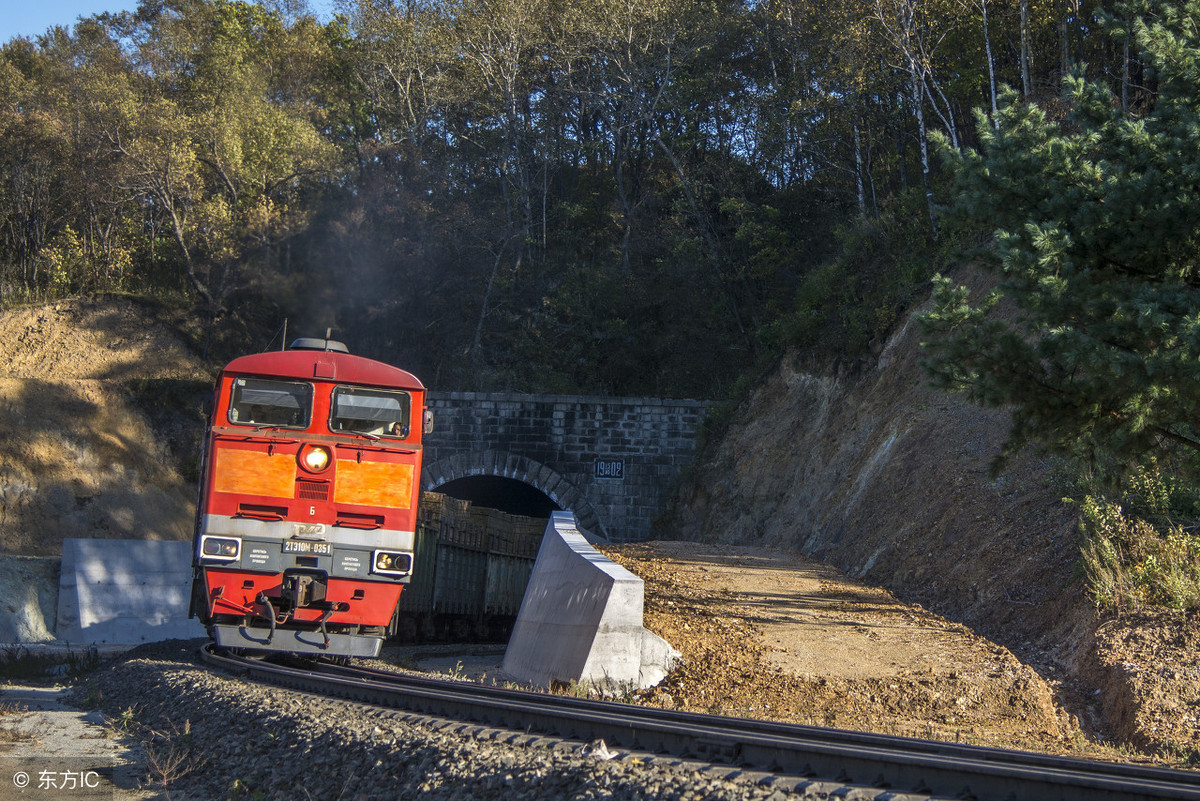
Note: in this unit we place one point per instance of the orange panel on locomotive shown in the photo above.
(310, 477)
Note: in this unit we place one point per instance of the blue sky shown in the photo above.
(33, 17)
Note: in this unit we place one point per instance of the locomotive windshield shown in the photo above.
(377, 412)
(263, 402)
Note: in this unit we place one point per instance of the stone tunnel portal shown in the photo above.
(609, 461)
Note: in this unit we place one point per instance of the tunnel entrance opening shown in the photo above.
(505, 494)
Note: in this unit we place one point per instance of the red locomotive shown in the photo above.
(307, 516)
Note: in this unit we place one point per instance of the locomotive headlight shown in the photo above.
(315, 458)
(392, 563)
(225, 549)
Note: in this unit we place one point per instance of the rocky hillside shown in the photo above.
(80, 384)
(873, 471)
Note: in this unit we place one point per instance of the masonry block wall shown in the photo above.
(612, 461)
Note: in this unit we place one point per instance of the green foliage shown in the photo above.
(850, 303)
(1092, 337)
(1135, 557)
(176, 142)
(620, 196)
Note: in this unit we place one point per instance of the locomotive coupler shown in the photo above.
(302, 589)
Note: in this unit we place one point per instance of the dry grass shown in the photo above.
(7, 734)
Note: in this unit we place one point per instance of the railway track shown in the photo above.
(899, 764)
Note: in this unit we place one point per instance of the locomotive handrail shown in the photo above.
(362, 525)
(260, 515)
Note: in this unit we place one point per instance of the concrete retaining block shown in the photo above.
(581, 619)
(125, 592)
(28, 598)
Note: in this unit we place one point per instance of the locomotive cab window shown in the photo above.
(375, 412)
(274, 404)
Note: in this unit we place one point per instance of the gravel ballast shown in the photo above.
(209, 735)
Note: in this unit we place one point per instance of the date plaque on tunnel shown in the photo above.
(611, 469)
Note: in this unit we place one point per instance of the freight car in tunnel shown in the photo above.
(471, 564)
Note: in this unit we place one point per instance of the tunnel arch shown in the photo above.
(501, 464)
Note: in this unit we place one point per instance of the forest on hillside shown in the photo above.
(633, 197)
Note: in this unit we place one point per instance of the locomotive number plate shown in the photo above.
(303, 546)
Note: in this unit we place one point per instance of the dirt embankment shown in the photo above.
(78, 455)
(876, 473)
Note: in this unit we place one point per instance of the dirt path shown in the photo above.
(49, 748)
(817, 623)
(770, 634)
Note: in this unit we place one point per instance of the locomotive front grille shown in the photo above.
(312, 490)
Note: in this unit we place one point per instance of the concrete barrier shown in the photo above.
(581, 619)
(125, 592)
(28, 598)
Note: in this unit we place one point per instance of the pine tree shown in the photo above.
(1092, 337)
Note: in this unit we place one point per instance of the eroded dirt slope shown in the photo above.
(78, 457)
(888, 480)
(873, 471)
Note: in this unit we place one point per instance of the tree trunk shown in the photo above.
(189, 264)
(858, 173)
(1125, 68)
(1026, 51)
(477, 341)
(991, 63)
(918, 90)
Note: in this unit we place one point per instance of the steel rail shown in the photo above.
(901, 764)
